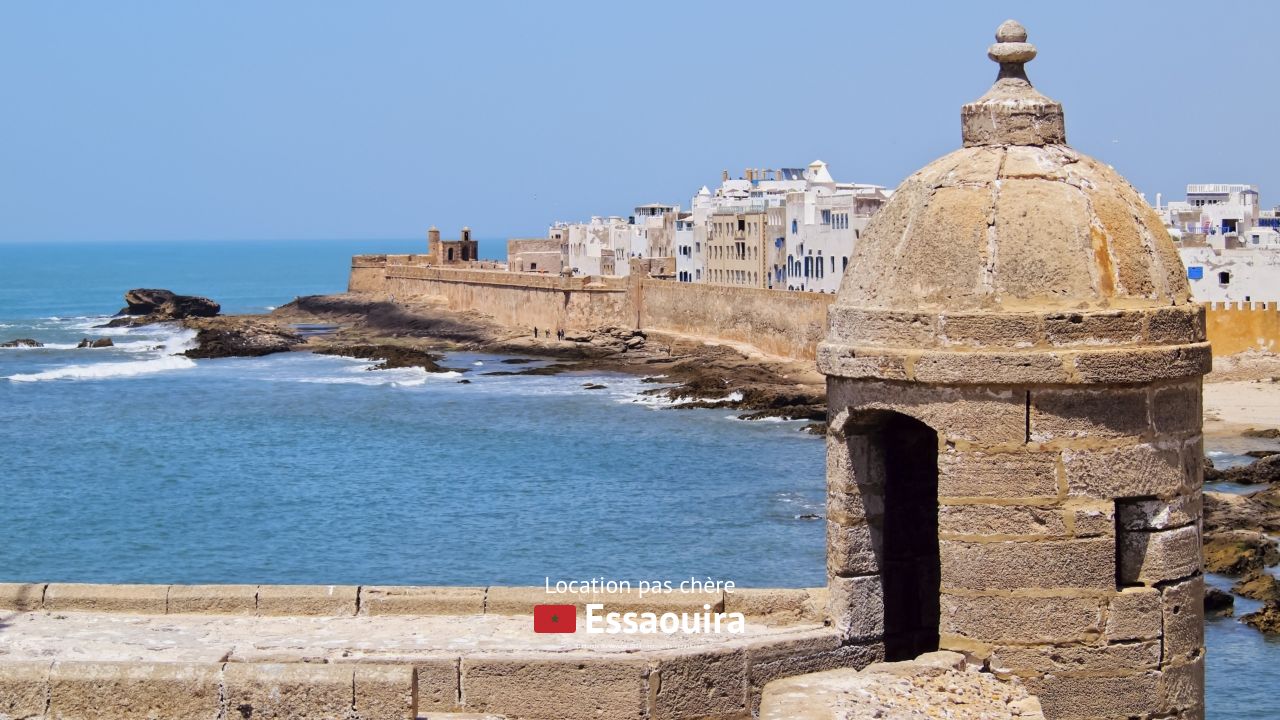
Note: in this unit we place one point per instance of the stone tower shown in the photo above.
(1014, 374)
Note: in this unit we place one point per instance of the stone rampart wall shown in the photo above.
(783, 323)
(777, 321)
(1235, 327)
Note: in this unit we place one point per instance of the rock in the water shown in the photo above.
(1239, 552)
(391, 356)
(1262, 433)
(594, 386)
(99, 343)
(1217, 602)
(145, 305)
(219, 337)
(1211, 473)
(1233, 511)
(1258, 586)
(1259, 454)
(1267, 619)
(22, 342)
(1258, 472)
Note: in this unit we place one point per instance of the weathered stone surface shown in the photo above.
(1046, 261)
(1006, 330)
(438, 683)
(307, 599)
(1134, 614)
(709, 684)
(1176, 324)
(1092, 518)
(981, 368)
(1084, 697)
(1010, 619)
(976, 414)
(1178, 408)
(1149, 557)
(213, 599)
(404, 600)
(1070, 414)
(1182, 606)
(889, 329)
(850, 549)
(771, 661)
(857, 607)
(961, 521)
(145, 599)
(385, 692)
(1159, 514)
(24, 688)
(1079, 563)
(1030, 661)
(779, 606)
(1144, 365)
(111, 691)
(21, 596)
(997, 475)
(1094, 328)
(313, 691)
(591, 689)
(1131, 471)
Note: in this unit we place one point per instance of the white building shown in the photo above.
(823, 224)
(1229, 245)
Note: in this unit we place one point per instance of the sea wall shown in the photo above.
(777, 321)
(548, 302)
(783, 323)
(1235, 327)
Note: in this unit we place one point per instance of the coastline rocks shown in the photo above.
(1258, 586)
(1269, 433)
(1217, 602)
(163, 305)
(391, 356)
(22, 343)
(220, 337)
(1232, 511)
(1267, 619)
(1239, 552)
(1258, 472)
(99, 343)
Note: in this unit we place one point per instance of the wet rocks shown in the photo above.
(1217, 602)
(1258, 472)
(99, 343)
(144, 306)
(234, 336)
(1267, 619)
(22, 343)
(391, 356)
(1258, 586)
(1233, 511)
(1239, 552)
(594, 386)
(1269, 433)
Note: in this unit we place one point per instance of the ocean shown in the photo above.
(131, 464)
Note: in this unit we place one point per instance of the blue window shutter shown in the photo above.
(1195, 272)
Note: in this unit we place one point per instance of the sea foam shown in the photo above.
(109, 370)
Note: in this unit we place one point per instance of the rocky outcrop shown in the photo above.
(1259, 511)
(21, 343)
(1258, 586)
(390, 356)
(166, 305)
(1267, 619)
(234, 336)
(1258, 472)
(99, 343)
(1217, 602)
(1239, 552)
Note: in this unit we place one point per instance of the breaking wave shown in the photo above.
(105, 371)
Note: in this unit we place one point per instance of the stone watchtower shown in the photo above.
(1014, 379)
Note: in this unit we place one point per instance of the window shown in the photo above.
(793, 229)
(1224, 278)
(1195, 272)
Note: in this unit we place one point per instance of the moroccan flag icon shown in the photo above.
(555, 619)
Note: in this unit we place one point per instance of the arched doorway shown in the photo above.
(893, 460)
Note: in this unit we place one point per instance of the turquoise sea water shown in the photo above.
(132, 465)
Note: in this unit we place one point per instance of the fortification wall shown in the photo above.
(776, 321)
(517, 299)
(1235, 327)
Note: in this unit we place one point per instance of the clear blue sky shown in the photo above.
(312, 119)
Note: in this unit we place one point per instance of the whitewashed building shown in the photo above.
(1229, 245)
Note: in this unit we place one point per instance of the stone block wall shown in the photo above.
(1236, 327)
(1068, 533)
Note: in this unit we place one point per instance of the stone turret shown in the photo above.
(1014, 374)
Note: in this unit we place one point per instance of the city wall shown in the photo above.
(1235, 327)
(788, 324)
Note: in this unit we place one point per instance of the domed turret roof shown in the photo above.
(1015, 260)
(1015, 220)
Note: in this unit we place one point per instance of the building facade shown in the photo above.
(1229, 245)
